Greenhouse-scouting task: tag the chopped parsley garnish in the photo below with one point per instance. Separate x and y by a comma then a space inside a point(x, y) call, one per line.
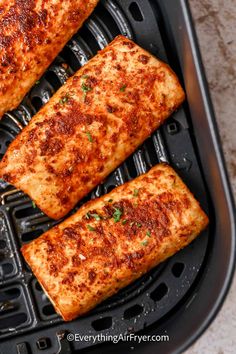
point(144, 243)
point(117, 214)
point(90, 139)
point(37, 82)
point(90, 228)
point(33, 205)
point(148, 233)
point(85, 76)
point(110, 200)
point(122, 88)
point(124, 222)
point(139, 225)
point(64, 99)
point(96, 217)
point(136, 192)
point(85, 88)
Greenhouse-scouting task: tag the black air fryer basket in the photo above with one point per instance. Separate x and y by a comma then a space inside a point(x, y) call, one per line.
point(180, 297)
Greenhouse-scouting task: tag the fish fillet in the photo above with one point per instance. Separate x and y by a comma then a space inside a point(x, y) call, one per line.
point(32, 33)
point(113, 240)
point(90, 126)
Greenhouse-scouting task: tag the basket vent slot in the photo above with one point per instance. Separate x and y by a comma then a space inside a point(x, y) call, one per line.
point(38, 286)
point(110, 188)
point(177, 269)
point(48, 310)
point(133, 312)
point(3, 244)
point(24, 212)
point(31, 235)
point(53, 79)
point(9, 294)
point(13, 321)
point(159, 292)
point(136, 12)
point(37, 102)
point(7, 268)
point(102, 323)
point(105, 17)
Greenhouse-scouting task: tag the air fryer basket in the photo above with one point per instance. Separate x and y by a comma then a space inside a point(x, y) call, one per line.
point(181, 296)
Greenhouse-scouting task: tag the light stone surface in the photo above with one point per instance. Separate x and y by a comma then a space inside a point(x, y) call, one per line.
point(215, 22)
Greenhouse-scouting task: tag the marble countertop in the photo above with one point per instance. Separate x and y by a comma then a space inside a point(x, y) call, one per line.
point(215, 22)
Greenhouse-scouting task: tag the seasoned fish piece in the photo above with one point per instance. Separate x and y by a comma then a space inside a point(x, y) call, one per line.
point(113, 240)
point(90, 126)
point(32, 33)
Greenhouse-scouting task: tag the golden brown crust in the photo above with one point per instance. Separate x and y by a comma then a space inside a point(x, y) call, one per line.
point(32, 33)
point(91, 125)
point(113, 240)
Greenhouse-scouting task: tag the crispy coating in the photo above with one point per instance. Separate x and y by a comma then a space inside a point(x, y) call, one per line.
point(32, 33)
point(91, 125)
point(113, 240)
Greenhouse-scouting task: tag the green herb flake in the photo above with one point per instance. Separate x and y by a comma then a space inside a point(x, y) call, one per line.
point(110, 200)
point(144, 243)
point(148, 233)
point(37, 82)
point(117, 214)
point(85, 88)
point(124, 222)
point(122, 88)
point(90, 139)
point(64, 99)
point(90, 228)
point(96, 217)
point(136, 192)
point(33, 205)
point(138, 224)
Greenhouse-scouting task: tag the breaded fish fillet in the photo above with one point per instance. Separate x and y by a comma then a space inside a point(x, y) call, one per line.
point(90, 126)
point(32, 33)
point(113, 240)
